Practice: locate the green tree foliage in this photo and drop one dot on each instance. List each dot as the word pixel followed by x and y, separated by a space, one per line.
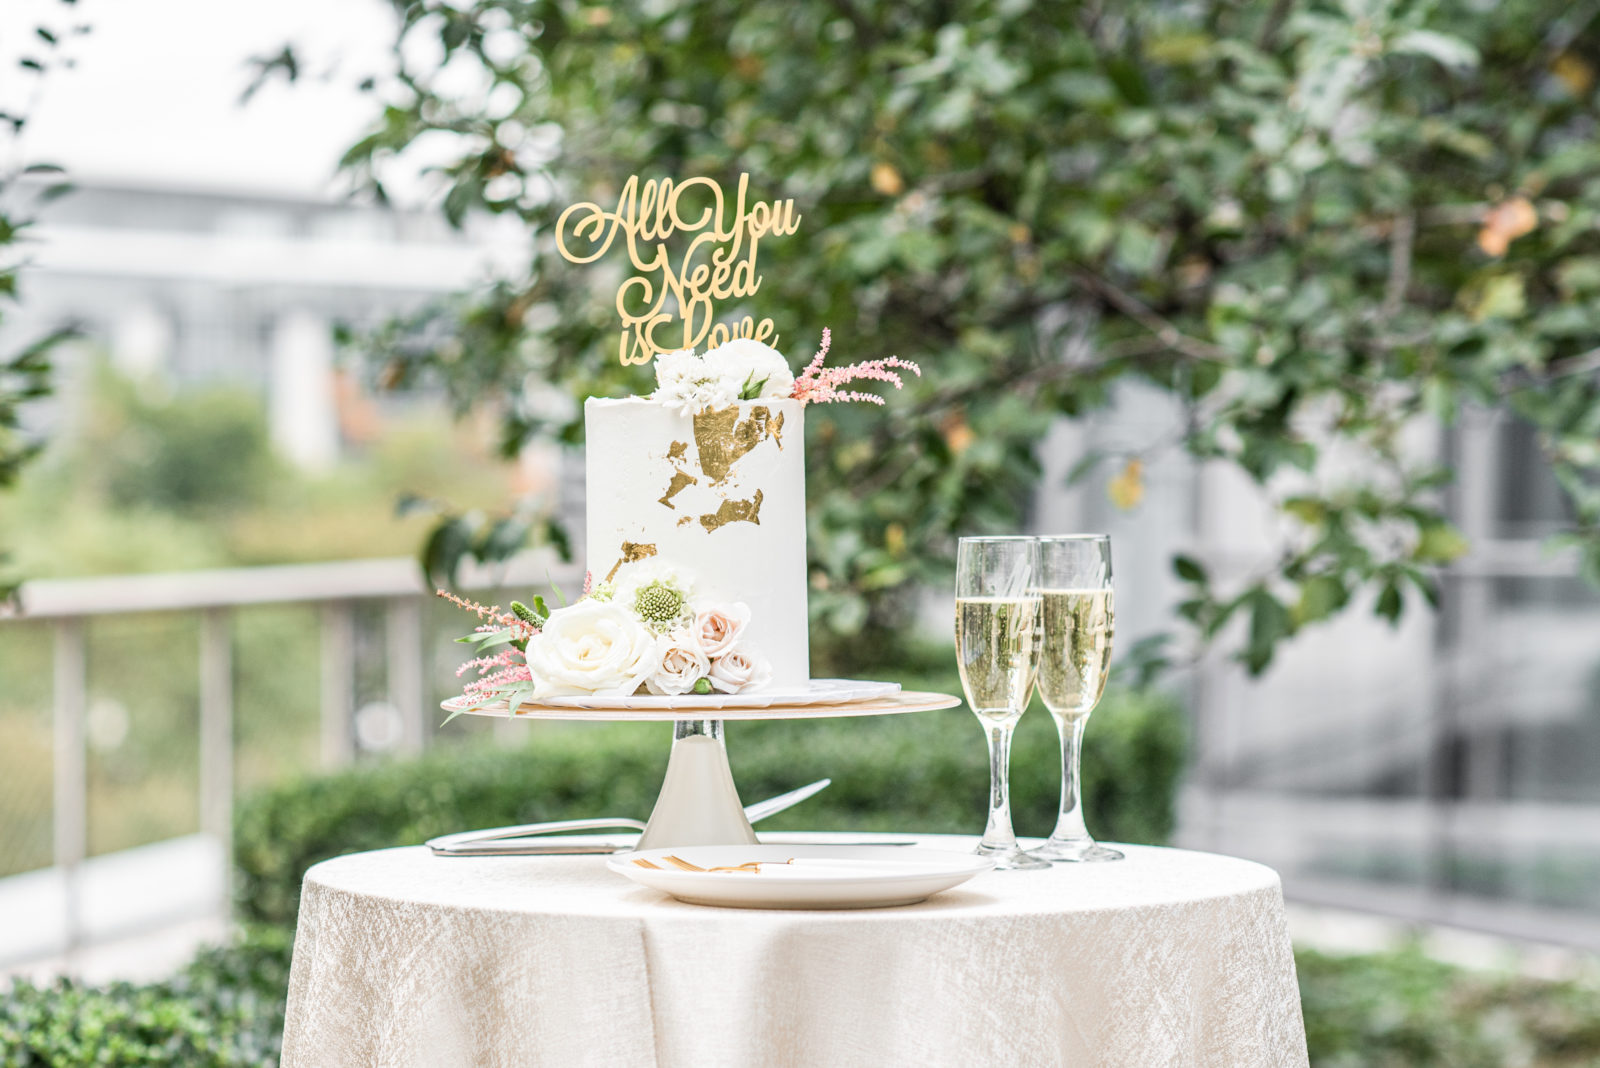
pixel 24 372
pixel 224 1010
pixel 1312 223
pixel 206 450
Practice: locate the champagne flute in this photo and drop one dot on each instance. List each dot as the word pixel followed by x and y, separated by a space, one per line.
pixel 997 626
pixel 1073 584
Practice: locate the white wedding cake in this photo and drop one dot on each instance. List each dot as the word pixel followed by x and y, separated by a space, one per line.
pixel 696 544
pixel 713 500
pixel 696 538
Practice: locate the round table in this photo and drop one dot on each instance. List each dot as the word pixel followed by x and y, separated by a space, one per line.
pixel 1167 958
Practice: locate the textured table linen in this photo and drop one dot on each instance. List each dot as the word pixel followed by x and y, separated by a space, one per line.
pixel 1168 958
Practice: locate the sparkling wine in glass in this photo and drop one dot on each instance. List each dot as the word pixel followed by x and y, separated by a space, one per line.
pixel 1073 584
pixel 997 628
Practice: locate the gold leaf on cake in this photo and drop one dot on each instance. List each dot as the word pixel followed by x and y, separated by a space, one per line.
pixel 632 553
pixel 680 480
pixel 713 433
pixel 723 438
pixel 734 512
pixel 754 430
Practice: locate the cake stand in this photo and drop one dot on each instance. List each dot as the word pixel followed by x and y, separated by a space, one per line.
pixel 698 803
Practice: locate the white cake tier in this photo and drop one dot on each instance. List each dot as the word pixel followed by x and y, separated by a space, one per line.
pixel 721 497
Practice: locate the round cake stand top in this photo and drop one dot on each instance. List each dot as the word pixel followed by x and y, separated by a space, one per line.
pixel 903 701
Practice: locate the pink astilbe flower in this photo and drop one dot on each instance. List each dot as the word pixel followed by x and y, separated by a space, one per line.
pixel 484 664
pixel 501 669
pixel 820 385
pixel 491 684
pixel 491 614
pixel 588 583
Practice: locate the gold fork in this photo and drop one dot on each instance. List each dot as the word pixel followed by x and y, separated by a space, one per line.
pixel 749 867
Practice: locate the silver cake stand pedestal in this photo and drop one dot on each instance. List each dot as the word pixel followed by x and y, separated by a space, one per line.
pixel 699 803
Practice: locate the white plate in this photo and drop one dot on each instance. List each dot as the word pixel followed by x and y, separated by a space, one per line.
pixel 820 692
pixel 822 877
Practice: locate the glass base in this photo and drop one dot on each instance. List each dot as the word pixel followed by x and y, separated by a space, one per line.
pixel 1011 858
pixel 1084 851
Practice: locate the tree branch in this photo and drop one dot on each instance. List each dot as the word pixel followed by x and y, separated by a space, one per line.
pixel 1140 312
pixel 1267 39
pixel 1401 237
pixel 1573 365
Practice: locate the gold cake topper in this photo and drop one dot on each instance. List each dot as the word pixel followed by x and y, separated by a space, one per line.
pixel 647 217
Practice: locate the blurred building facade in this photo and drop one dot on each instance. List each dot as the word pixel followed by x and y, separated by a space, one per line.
pixel 1444 770
pixel 203 286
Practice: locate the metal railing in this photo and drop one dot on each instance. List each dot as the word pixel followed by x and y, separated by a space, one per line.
pixel 338 589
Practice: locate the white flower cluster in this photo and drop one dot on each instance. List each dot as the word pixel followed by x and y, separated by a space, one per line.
pixel 647 631
pixel 741 369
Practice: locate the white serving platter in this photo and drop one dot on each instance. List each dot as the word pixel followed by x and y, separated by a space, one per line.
pixel 820 692
pixel 820 703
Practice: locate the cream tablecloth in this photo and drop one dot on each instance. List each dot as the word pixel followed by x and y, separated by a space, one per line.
pixel 1168 958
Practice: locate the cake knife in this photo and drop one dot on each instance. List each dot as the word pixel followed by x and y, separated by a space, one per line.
pixel 512 841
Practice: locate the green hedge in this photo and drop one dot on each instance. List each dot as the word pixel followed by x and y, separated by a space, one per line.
pixel 225 1010
pixel 1403 1010
pixel 1390 1010
pixel 922 771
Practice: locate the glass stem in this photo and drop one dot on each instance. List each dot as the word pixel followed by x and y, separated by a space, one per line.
pixel 998 833
pixel 1069 824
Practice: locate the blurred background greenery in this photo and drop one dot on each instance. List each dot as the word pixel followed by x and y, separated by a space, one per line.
pixel 153 480
pixel 147 477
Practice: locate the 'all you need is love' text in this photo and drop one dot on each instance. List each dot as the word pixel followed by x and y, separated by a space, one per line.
pixel 719 263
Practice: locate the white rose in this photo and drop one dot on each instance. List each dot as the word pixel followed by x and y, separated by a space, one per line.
pixel 718 626
pixel 592 647
pixel 737 671
pixel 683 663
pixel 746 360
